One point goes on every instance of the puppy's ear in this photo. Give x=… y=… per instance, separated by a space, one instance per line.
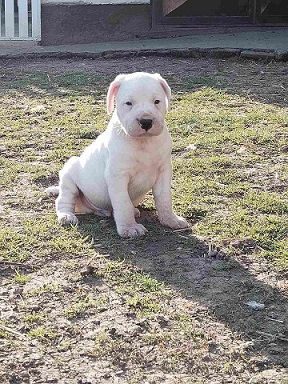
x=165 y=87
x=112 y=92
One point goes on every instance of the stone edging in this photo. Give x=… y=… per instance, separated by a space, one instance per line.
x=267 y=55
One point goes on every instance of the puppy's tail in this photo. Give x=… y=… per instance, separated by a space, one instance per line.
x=52 y=191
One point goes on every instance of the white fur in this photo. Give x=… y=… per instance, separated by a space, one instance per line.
x=115 y=172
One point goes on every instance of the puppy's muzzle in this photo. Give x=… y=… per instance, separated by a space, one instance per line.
x=145 y=124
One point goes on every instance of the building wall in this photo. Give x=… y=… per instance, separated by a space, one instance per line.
x=95 y=1
x=92 y=21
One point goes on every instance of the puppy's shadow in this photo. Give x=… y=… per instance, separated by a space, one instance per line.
x=220 y=283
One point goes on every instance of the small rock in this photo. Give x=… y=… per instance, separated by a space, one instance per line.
x=96 y=322
x=38 y=108
x=143 y=323
x=206 y=358
x=102 y=309
x=35 y=308
x=90 y=335
x=163 y=321
x=88 y=270
x=134 y=331
x=24 y=374
x=255 y=305
x=191 y=147
x=284 y=148
x=242 y=149
x=112 y=331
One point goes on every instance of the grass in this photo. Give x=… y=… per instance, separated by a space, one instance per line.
x=21 y=278
x=82 y=305
x=42 y=333
x=55 y=116
x=234 y=138
x=230 y=180
x=33 y=319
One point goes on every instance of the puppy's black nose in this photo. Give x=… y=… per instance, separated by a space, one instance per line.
x=145 y=124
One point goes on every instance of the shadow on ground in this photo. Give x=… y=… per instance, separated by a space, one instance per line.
x=262 y=81
x=222 y=284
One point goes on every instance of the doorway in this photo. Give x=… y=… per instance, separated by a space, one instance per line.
x=192 y=13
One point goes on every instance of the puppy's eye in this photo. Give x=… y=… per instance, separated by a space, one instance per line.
x=156 y=101
x=128 y=103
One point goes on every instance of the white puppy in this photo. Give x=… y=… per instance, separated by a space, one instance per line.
x=127 y=160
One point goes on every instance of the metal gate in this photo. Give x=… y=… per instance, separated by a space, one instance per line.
x=20 y=20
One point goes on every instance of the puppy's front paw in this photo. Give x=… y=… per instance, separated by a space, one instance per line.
x=67 y=218
x=174 y=222
x=132 y=230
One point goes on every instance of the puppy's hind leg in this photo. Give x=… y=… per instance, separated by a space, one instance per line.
x=68 y=194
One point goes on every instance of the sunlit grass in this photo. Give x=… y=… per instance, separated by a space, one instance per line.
x=228 y=160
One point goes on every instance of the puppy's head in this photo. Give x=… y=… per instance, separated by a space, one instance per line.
x=142 y=99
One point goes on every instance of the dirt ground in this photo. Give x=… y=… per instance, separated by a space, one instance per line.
x=230 y=342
